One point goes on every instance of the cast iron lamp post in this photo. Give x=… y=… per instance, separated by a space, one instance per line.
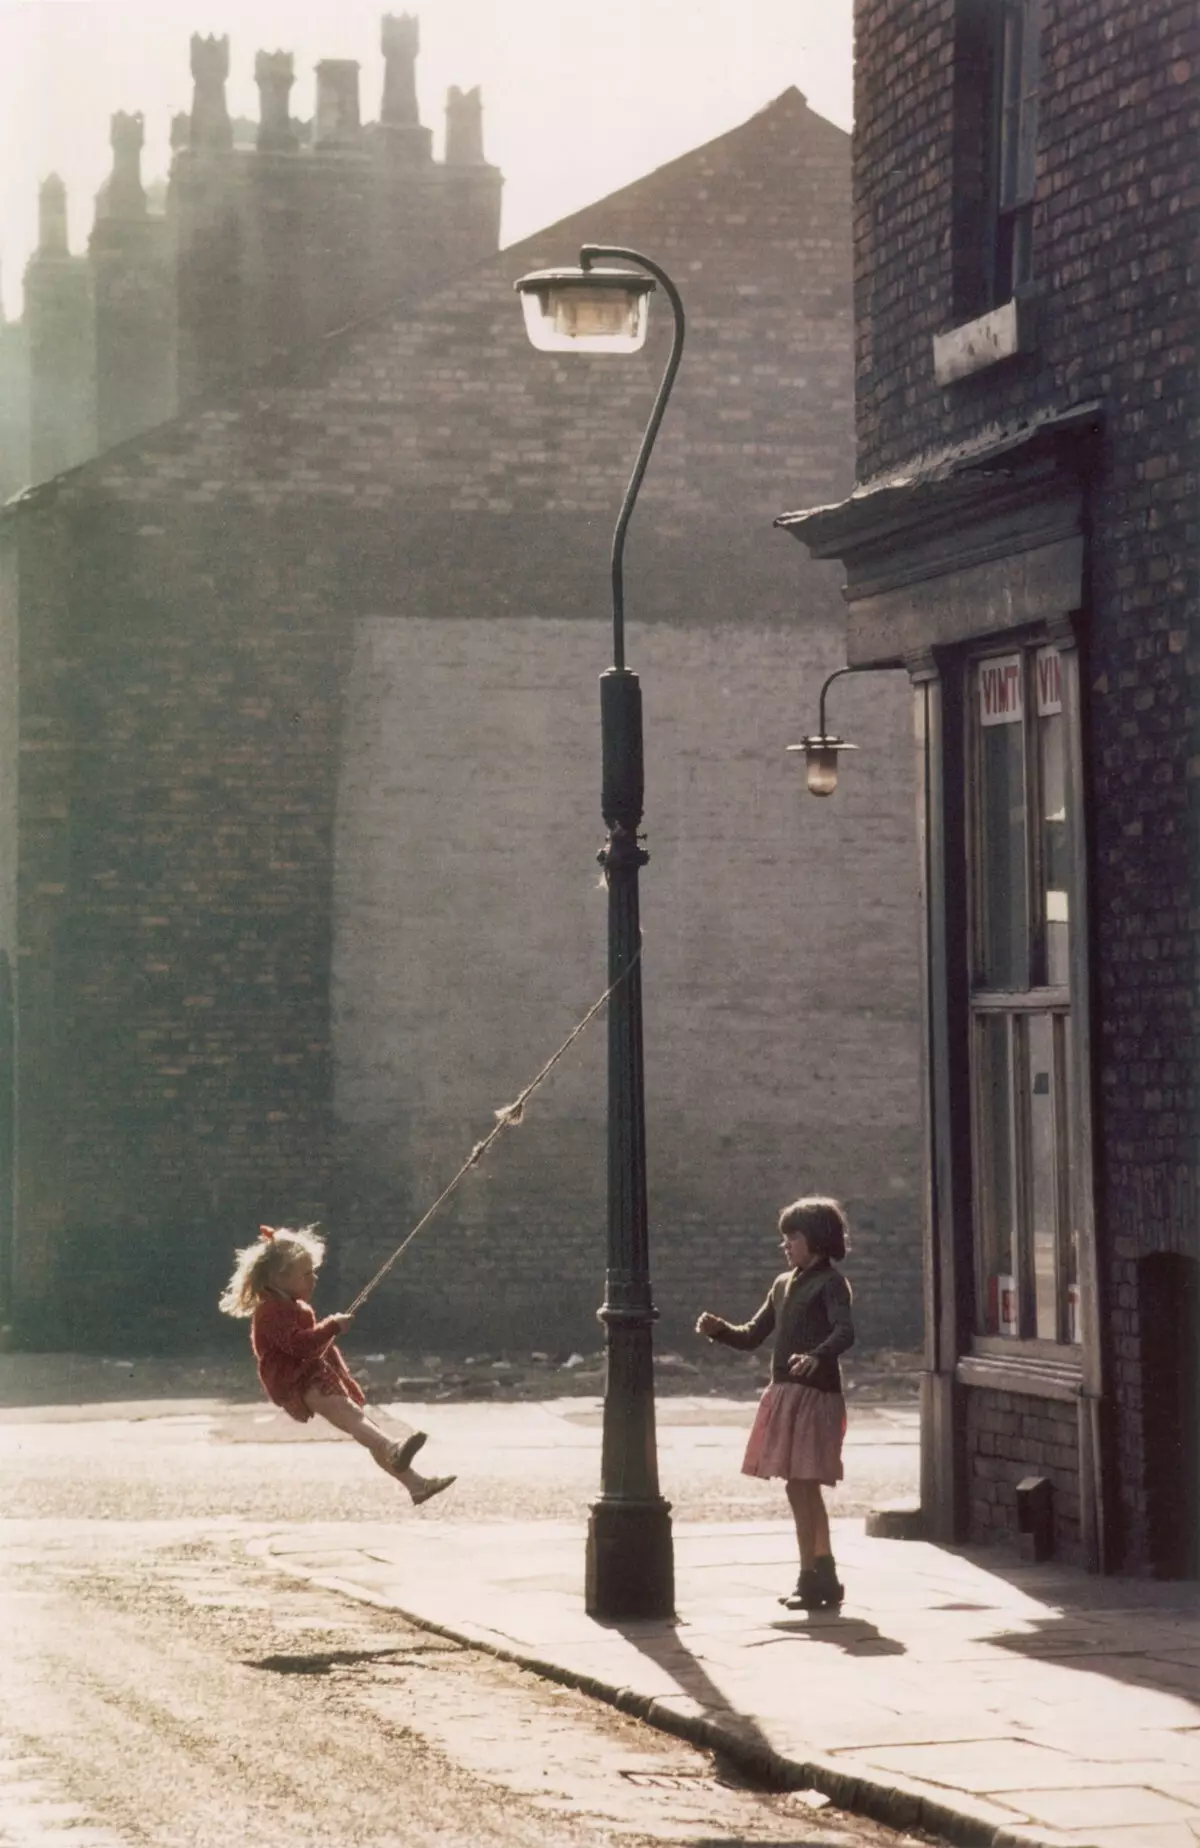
x=821 y=750
x=630 y=1565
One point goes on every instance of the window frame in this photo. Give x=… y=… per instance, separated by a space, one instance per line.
x=1012 y=161
x=996 y=109
x=1056 y=1002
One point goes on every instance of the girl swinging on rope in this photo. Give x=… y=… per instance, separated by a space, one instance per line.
x=298 y=1361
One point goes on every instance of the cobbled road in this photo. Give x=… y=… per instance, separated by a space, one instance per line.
x=162 y=1690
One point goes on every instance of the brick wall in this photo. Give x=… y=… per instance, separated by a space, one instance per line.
x=1009 y=1437
x=1114 y=289
x=178 y=714
x=326 y=685
x=778 y=958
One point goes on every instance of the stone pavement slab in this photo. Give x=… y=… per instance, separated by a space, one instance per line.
x=985 y=1700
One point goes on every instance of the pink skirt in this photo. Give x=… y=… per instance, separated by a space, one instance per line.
x=797 y=1433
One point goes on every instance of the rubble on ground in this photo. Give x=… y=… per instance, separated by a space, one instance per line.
x=886 y=1374
x=391 y=1375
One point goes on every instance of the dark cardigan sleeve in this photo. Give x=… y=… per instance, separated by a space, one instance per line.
x=841 y=1323
x=749 y=1334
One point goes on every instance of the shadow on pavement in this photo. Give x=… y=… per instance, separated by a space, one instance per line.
x=325 y=1662
x=663 y=1645
x=1144 y=1632
x=852 y=1635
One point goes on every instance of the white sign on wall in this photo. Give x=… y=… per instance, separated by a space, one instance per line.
x=1001 y=696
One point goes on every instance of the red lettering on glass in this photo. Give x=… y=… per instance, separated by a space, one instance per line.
x=1000 y=690
x=1049 y=669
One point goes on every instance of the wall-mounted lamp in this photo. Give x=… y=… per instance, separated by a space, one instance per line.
x=821 y=750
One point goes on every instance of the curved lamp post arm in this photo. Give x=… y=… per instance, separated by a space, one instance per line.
x=836 y=675
x=593 y=253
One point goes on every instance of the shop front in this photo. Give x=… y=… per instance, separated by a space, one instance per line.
x=972 y=573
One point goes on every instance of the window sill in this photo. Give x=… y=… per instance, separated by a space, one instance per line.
x=1039 y=1370
x=1000 y=334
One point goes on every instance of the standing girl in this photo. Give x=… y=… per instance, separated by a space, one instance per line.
x=298 y=1362
x=801 y=1419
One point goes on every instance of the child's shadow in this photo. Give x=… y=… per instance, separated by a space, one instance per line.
x=852 y=1635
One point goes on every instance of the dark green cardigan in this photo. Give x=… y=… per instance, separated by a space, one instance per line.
x=810 y=1314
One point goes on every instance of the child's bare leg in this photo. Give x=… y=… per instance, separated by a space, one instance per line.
x=354 y=1421
x=822 y=1545
x=800 y=1503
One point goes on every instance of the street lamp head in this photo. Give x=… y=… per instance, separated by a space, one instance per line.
x=821 y=761
x=585 y=310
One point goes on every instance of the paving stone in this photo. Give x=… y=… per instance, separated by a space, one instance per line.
x=925 y=1686
x=1088 y=1807
x=1165 y=1835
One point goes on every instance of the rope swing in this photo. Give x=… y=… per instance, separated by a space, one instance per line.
x=507 y=1118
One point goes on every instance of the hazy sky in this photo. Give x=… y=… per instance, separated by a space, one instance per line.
x=580 y=96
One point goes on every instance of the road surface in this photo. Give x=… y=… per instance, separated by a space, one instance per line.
x=162 y=1690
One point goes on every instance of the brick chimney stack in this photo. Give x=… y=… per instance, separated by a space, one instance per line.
x=122 y=194
x=275 y=73
x=277 y=225
x=58 y=316
x=400 y=41
x=202 y=208
x=211 y=129
x=399 y=112
x=337 y=123
x=464 y=127
x=52 y=218
x=133 y=297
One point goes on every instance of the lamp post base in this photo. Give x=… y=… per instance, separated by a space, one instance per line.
x=630 y=1567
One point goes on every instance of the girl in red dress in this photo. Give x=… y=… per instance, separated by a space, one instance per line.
x=298 y=1360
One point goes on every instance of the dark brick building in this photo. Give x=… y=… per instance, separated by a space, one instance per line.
x=268 y=235
x=301 y=799
x=1023 y=539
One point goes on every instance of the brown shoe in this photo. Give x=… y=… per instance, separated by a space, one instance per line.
x=433 y=1487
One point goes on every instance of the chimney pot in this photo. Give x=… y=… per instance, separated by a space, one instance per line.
x=464 y=128
x=52 y=217
x=274 y=73
x=211 y=129
x=337 y=121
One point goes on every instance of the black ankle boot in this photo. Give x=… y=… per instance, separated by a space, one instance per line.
x=807 y=1595
x=825 y=1580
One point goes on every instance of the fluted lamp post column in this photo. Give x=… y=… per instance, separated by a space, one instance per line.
x=630 y=1568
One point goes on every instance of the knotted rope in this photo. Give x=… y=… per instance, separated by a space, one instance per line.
x=507 y=1118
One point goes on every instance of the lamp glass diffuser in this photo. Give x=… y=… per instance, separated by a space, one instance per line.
x=821 y=765
x=586 y=311
x=821 y=761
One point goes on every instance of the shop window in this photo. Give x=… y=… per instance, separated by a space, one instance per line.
x=1020 y=1007
x=997 y=59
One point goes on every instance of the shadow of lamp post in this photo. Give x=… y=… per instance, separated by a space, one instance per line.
x=630 y=1565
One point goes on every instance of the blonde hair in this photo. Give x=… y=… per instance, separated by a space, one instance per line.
x=268 y=1257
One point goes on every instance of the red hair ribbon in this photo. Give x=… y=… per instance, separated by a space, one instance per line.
x=266 y=1231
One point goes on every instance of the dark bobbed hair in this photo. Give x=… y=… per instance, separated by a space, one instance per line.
x=823 y=1223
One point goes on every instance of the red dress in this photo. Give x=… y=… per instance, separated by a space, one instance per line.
x=296 y=1352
